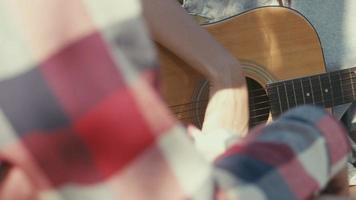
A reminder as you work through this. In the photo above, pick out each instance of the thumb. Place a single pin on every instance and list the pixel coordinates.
(193, 131)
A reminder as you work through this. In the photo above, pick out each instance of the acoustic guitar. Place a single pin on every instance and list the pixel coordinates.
(282, 59)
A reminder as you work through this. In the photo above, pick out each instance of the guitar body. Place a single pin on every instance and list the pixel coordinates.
(272, 43)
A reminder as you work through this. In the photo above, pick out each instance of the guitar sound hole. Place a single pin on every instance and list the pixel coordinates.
(259, 107)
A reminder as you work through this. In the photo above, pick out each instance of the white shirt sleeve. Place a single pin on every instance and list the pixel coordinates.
(213, 143)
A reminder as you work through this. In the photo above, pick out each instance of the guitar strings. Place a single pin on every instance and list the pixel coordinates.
(205, 100)
(192, 114)
(261, 108)
(282, 83)
(201, 105)
(260, 96)
(253, 110)
(253, 120)
(192, 104)
(251, 123)
(352, 78)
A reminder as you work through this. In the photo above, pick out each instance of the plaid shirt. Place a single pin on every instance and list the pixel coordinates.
(79, 115)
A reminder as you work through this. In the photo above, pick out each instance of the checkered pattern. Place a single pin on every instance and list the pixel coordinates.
(79, 115)
(292, 158)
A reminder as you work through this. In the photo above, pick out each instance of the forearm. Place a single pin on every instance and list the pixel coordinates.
(174, 29)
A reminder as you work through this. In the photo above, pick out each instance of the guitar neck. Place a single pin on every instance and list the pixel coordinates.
(326, 90)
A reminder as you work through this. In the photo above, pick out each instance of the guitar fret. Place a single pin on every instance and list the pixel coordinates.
(342, 94)
(279, 100)
(346, 89)
(283, 98)
(298, 92)
(326, 90)
(352, 84)
(287, 97)
(311, 90)
(331, 89)
(295, 96)
(321, 91)
(317, 90)
(301, 84)
(307, 91)
(274, 102)
(290, 94)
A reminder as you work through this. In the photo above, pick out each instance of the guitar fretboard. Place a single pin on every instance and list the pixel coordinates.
(326, 90)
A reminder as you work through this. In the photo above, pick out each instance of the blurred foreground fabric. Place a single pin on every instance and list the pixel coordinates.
(80, 118)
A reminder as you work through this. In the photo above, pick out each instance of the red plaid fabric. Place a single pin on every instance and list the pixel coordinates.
(79, 116)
